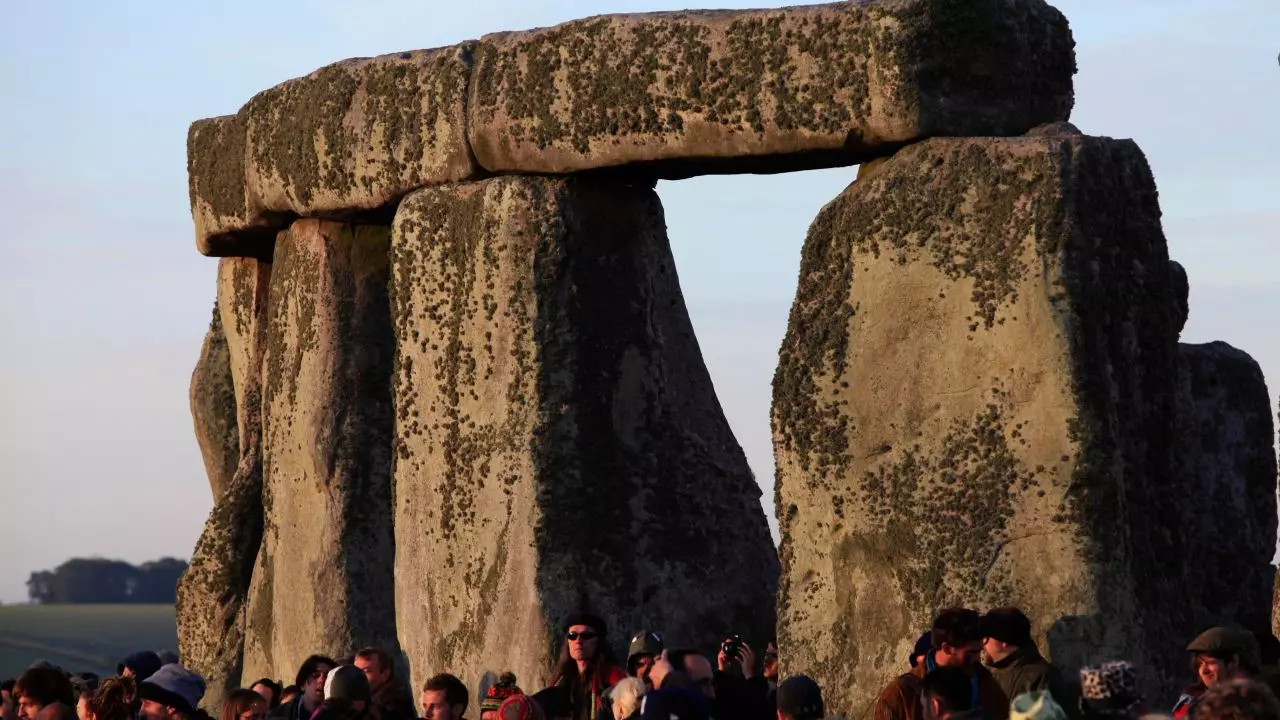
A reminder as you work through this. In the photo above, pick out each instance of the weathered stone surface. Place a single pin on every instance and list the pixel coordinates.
(558, 440)
(213, 408)
(1225, 445)
(765, 90)
(212, 592)
(323, 578)
(225, 223)
(975, 405)
(359, 134)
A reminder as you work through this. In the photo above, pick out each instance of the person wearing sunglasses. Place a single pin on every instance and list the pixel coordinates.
(586, 668)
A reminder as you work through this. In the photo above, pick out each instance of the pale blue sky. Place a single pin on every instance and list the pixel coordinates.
(103, 299)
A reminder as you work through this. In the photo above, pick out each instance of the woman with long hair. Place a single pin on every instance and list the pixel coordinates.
(586, 668)
(243, 704)
(113, 699)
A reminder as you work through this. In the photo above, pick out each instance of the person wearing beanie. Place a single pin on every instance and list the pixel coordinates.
(800, 698)
(645, 646)
(497, 694)
(1037, 705)
(1218, 655)
(1110, 692)
(518, 707)
(1014, 660)
(171, 693)
(346, 695)
(586, 667)
(139, 666)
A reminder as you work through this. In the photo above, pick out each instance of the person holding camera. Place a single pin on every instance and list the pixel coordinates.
(741, 691)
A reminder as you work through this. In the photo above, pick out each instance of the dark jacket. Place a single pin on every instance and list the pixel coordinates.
(392, 701)
(292, 710)
(901, 700)
(739, 698)
(1026, 671)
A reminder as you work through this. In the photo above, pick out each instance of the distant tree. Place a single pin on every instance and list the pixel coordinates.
(102, 581)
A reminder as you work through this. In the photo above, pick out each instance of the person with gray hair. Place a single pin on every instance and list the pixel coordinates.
(626, 698)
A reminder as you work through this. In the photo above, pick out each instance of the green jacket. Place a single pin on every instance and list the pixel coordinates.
(1026, 671)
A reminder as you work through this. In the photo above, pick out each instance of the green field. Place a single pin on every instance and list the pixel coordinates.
(81, 637)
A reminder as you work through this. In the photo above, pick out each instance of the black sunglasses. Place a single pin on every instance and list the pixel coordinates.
(583, 636)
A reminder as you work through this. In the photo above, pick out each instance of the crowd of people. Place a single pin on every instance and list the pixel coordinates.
(967, 666)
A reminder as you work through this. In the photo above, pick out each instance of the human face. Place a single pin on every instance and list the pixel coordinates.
(993, 650)
(256, 711)
(770, 671)
(644, 663)
(489, 715)
(967, 656)
(266, 693)
(314, 689)
(8, 707)
(82, 708)
(377, 674)
(435, 707)
(28, 709)
(1213, 671)
(583, 642)
(152, 710)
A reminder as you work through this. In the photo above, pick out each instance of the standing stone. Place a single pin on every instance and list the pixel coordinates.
(714, 91)
(212, 592)
(559, 444)
(1225, 444)
(323, 579)
(213, 408)
(974, 406)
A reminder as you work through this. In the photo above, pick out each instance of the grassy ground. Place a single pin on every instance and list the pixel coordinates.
(81, 637)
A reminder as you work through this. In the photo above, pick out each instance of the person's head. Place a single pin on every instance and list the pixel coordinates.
(626, 696)
(172, 693)
(645, 646)
(770, 669)
(1238, 700)
(311, 676)
(444, 697)
(83, 683)
(553, 702)
(584, 638)
(1004, 630)
(8, 704)
(376, 665)
(519, 707)
(800, 698)
(923, 646)
(270, 691)
(1110, 691)
(947, 690)
(348, 685)
(1036, 705)
(289, 694)
(497, 694)
(243, 705)
(112, 700)
(41, 686)
(698, 668)
(1224, 653)
(139, 666)
(957, 638)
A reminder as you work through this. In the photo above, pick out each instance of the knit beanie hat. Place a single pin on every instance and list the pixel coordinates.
(519, 707)
(1038, 705)
(924, 645)
(347, 682)
(1008, 625)
(503, 689)
(1110, 689)
(142, 664)
(173, 686)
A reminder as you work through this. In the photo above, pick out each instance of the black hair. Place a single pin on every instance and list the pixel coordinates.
(553, 702)
(956, 627)
(951, 686)
(277, 690)
(455, 693)
(7, 685)
(309, 668)
(45, 686)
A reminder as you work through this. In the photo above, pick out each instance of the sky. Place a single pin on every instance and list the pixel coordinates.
(104, 300)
